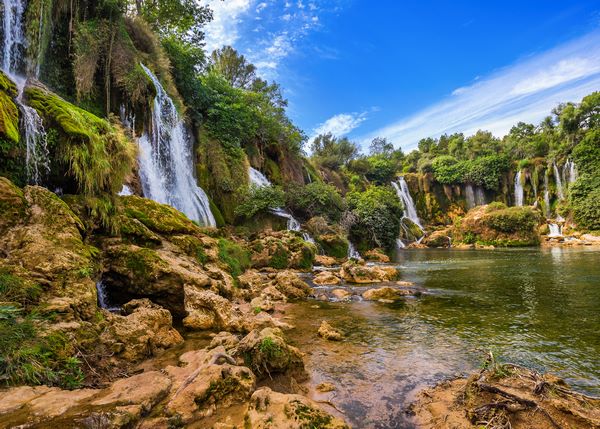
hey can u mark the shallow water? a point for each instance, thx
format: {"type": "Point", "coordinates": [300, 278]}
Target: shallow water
{"type": "Point", "coordinates": [536, 307]}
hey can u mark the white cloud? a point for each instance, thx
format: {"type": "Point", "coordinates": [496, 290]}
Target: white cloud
{"type": "Point", "coordinates": [260, 7]}
{"type": "Point", "coordinates": [525, 91]}
{"type": "Point", "coordinates": [340, 124]}
{"type": "Point", "coordinates": [223, 29]}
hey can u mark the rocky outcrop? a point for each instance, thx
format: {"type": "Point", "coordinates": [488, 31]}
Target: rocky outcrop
{"type": "Point", "coordinates": [376, 255]}
{"type": "Point", "coordinates": [282, 249]}
{"type": "Point", "coordinates": [359, 272]}
{"type": "Point", "coordinates": [385, 294]}
{"type": "Point", "coordinates": [326, 278]}
{"type": "Point", "coordinates": [440, 238]}
{"type": "Point", "coordinates": [283, 411]}
{"type": "Point", "coordinates": [329, 332]}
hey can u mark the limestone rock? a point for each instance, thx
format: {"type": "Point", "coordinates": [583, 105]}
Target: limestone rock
{"type": "Point", "coordinates": [325, 261]}
{"type": "Point", "coordinates": [290, 285]}
{"type": "Point", "coordinates": [354, 272]}
{"type": "Point", "coordinates": [275, 410]}
{"type": "Point", "coordinates": [385, 293]}
{"type": "Point", "coordinates": [329, 332]}
{"type": "Point", "coordinates": [376, 255]}
{"type": "Point", "coordinates": [207, 310]}
{"type": "Point", "coordinates": [341, 293]}
{"type": "Point", "coordinates": [326, 278]}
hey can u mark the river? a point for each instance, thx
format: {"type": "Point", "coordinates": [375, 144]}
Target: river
{"type": "Point", "coordinates": [535, 307]}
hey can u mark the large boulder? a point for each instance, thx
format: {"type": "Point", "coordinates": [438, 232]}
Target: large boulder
{"type": "Point", "coordinates": [208, 310]}
{"type": "Point", "coordinates": [326, 278]}
{"type": "Point", "coordinates": [290, 284]}
{"type": "Point", "coordinates": [385, 294]}
{"type": "Point", "coordinates": [282, 249]}
{"type": "Point", "coordinates": [358, 272]}
{"type": "Point", "coordinates": [269, 409]}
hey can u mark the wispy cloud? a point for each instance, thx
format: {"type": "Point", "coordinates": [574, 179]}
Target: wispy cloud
{"type": "Point", "coordinates": [224, 28]}
{"type": "Point", "coordinates": [525, 91]}
{"type": "Point", "coordinates": [341, 124]}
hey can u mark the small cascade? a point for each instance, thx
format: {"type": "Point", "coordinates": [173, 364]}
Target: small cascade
{"type": "Point", "coordinates": [353, 253]}
{"type": "Point", "coordinates": [569, 172]}
{"type": "Point", "coordinates": [480, 199]}
{"type": "Point", "coordinates": [259, 180]}
{"type": "Point", "coordinates": [409, 212]}
{"type": "Point", "coordinates": [103, 301]}
{"type": "Point", "coordinates": [555, 230]}
{"type": "Point", "coordinates": [547, 209]}
{"type": "Point", "coordinates": [126, 191]}
{"type": "Point", "coordinates": [518, 189]}
{"type": "Point", "coordinates": [14, 65]}
{"type": "Point", "coordinates": [400, 244]}
{"type": "Point", "coordinates": [559, 185]}
{"type": "Point", "coordinates": [165, 160]}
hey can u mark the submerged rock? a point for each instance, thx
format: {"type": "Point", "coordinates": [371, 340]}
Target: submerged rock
{"type": "Point", "coordinates": [329, 332]}
{"type": "Point", "coordinates": [385, 293]}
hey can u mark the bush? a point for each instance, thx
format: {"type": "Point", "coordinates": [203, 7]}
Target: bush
{"type": "Point", "coordinates": [584, 194]}
{"type": "Point", "coordinates": [448, 170]}
{"type": "Point", "coordinates": [315, 199]}
{"type": "Point", "coordinates": [260, 200]}
{"type": "Point", "coordinates": [486, 171]}
{"type": "Point", "coordinates": [513, 219]}
{"type": "Point", "coordinates": [378, 214]}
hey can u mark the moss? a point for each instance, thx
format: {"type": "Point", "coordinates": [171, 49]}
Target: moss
{"type": "Point", "coordinates": [159, 218]}
{"type": "Point", "coordinates": [308, 416]}
{"type": "Point", "coordinates": [13, 206]}
{"type": "Point", "coordinates": [98, 154]}
{"type": "Point", "coordinates": [136, 263]}
{"type": "Point", "coordinates": [9, 113]}
{"type": "Point", "coordinates": [307, 257]}
{"type": "Point", "coordinates": [234, 256]}
{"type": "Point", "coordinates": [333, 245]}
{"type": "Point", "coordinates": [18, 290]}
{"type": "Point", "coordinates": [279, 258]}
{"type": "Point", "coordinates": [219, 219]}
{"type": "Point", "coordinates": [192, 246]}
{"type": "Point", "coordinates": [272, 170]}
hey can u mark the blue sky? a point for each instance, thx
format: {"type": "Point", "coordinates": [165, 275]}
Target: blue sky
{"type": "Point", "coordinates": [411, 69]}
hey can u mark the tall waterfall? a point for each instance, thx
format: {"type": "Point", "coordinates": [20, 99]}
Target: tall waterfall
{"type": "Point", "coordinates": [569, 172]}
{"type": "Point", "coordinates": [518, 189]}
{"type": "Point", "coordinates": [470, 196]}
{"type": "Point", "coordinates": [165, 160]}
{"type": "Point", "coordinates": [14, 65]}
{"type": "Point", "coordinates": [557, 179]}
{"type": "Point", "coordinates": [259, 180]}
{"type": "Point", "coordinates": [547, 209]}
{"type": "Point", "coordinates": [410, 211]}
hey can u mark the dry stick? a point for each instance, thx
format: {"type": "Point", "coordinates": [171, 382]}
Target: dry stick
{"type": "Point", "coordinates": [527, 402]}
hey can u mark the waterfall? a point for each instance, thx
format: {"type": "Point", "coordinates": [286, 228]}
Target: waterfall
{"type": "Point", "coordinates": [103, 301]}
{"type": "Point", "coordinates": [259, 180]}
{"type": "Point", "coordinates": [165, 161]}
{"type": "Point", "coordinates": [352, 252]}
{"type": "Point", "coordinates": [559, 185]}
{"type": "Point", "coordinates": [13, 64]}
{"type": "Point", "coordinates": [546, 196]}
{"type": "Point", "coordinates": [555, 230]}
{"type": "Point", "coordinates": [469, 196]}
{"type": "Point", "coordinates": [479, 196]}
{"type": "Point", "coordinates": [518, 189]}
{"type": "Point", "coordinates": [569, 172]}
{"type": "Point", "coordinates": [410, 211]}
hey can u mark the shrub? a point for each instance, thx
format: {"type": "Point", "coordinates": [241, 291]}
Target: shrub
{"type": "Point", "coordinates": [486, 171]}
{"type": "Point", "coordinates": [378, 214]}
{"type": "Point", "coordinates": [513, 219]}
{"type": "Point", "coordinates": [260, 200]}
{"type": "Point", "coordinates": [315, 199]}
{"type": "Point", "coordinates": [448, 170]}
{"type": "Point", "coordinates": [584, 194]}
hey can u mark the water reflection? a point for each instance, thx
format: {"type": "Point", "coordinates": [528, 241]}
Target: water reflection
{"type": "Point", "coordinates": [536, 307]}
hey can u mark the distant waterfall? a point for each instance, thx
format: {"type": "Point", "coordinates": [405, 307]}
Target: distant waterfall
{"type": "Point", "coordinates": [555, 230]}
{"type": "Point", "coordinates": [518, 189]}
{"type": "Point", "coordinates": [569, 172]}
{"type": "Point", "coordinates": [166, 167]}
{"type": "Point", "coordinates": [103, 301]}
{"type": "Point", "coordinates": [559, 185]}
{"type": "Point", "coordinates": [547, 209]}
{"type": "Point", "coordinates": [410, 211]}
{"type": "Point", "coordinates": [469, 196]}
{"type": "Point", "coordinates": [259, 180]}
{"type": "Point", "coordinates": [14, 65]}
{"type": "Point", "coordinates": [353, 253]}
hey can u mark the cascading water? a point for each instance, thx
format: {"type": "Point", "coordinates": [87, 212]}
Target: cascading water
{"type": "Point", "coordinates": [518, 189]}
{"type": "Point", "coordinates": [103, 301]}
{"type": "Point", "coordinates": [13, 64]}
{"type": "Point", "coordinates": [559, 185]}
{"type": "Point", "coordinates": [409, 211]}
{"type": "Point", "coordinates": [555, 230]}
{"type": "Point", "coordinates": [547, 210]}
{"type": "Point", "coordinates": [352, 252]}
{"type": "Point", "coordinates": [165, 160]}
{"type": "Point", "coordinates": [470, 196]}
{"type": "Point", "coordinates": [259, 180]}
{"type": "Point", "coordinates": [479, 196]}
{"type": "Point", "coordinates": [569, 172]}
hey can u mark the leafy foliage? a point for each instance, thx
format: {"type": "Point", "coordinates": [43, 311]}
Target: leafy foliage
{"type": "Point", "coordinates": [332, 152]}
{"type": "Point", "coordinates": [315, 199]}
{"type": "Point", "coordinates": [260, 200]}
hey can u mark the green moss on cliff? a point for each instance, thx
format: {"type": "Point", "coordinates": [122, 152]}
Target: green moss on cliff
{"type": "Point", "coordinates": [159, 218]}
{"type": "Point", "coordinates": [11, 150]}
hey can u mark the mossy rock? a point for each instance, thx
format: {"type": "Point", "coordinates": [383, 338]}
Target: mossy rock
{"type": "Point", "coordinates": [333, 245]}
{"type": "Point", "coordinates": [159, 218]}
{"type": "Point", "coordinates": [9, 113]}
{"type": "Point", "coordinates": [13, 206]}
{"type": "Point", "coordinates": [136, 263]}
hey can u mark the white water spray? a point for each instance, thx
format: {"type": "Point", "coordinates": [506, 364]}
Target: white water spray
{"type": "Point", "coordinates": [166, 167]}
{"type": "Point", "coordinates": [13, 64]}
{"type": "Point", "coordinates": [409, 211]}
{"type": "Point", "coordinates": [547, 209]}
{"type": "Point", "coordinates": [555, 230]}
{"type": "Point", "coordinates": [518, 189]}
{"type": "Point", "coordinates": [352, 252]}
{"type": "Point", "coordinates": [570, 173]}
{"type": "Point", "coordinates": [559, 185]}
{"type": "Point", "coordinates": [103, 301]}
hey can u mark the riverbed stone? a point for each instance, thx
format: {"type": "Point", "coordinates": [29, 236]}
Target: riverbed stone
{"type": "Point", "coordinates": [359, 272]}
{"type": "Point", "coordinates": [384, 293]}
{"type": "Point", "coordinates": [328, 332]}
{"type": "Point", "coordinates": [326, 278]}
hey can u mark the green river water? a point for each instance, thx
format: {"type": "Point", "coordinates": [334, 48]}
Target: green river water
{"type": "Point", "coordinates": [535, 307]}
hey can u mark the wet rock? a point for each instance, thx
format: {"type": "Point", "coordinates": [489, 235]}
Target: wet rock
{"type": "Point", "coordinates": [275, 410]}
{"type": "Point", "coordinates": [325, 261]}
{"type": "Point", "coordinates": [439, 238]}
{"type": "Point", "coordinates": [225, 339]}
{"type": "Point", "coordinates": [329, 332]}
{"type": "Point", "coordinates": [325, 387]}
{"type": "Point", "coordinates": [358, 272]}
{"type": "Point", "coordinates": [384, 293]}
{"type": "Point", "coordinates": [262, 303]}
{"type": "Point", "coordinates": [146, 329]}
{"type": "Point", "coordinates": [341, 293]}
{"type": "Point", "coordinates": [281, 250]}
{"type": "Point", "coordinates": [376, 255]}
{"type": "Point", "coordinates": [252, 281]}
{"type": "Point", "coordinates": [266, 352]}
{"type": "Point", "coordinates": [290, 284]}
{"type": "Point", "coordinates": [326, 278]}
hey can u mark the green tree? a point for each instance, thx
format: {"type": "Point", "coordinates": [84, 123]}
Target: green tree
{"type": "Point", "coordinates": [234, 67]}
{"type": "Point", "coordinates": [332, 152]}
{"type": "Point", "coordinates": [380, 146]}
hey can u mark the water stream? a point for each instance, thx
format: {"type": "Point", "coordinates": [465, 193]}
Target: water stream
{"type": "Point", "coordinates": [475, 301]}
{"type": "Point", "coordinates": [518, 189]}
{"type": "Point", "coordinates": [558, 181]}
{"type": "Point", "coordinates": [409, 209]}
{"type": "Point", "coordinates": [166, 161]}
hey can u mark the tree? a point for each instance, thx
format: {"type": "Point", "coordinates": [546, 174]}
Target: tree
{"type": "Point", "coordinates": [234, 67]}
{"type": "Point", "coordinates": [380, 146]}
{"type": "Point", "coordinates": [331, 152]}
